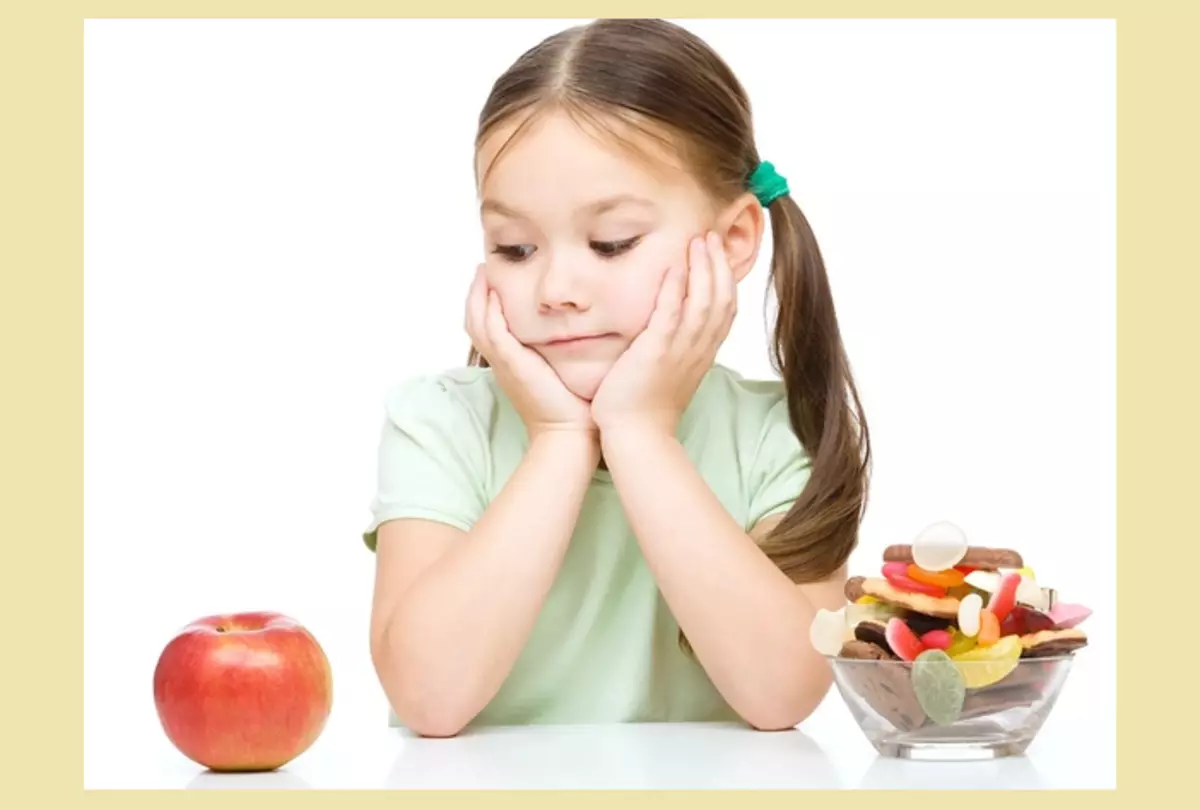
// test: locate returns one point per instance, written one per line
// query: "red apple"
(243, 692)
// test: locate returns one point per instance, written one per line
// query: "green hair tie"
(767, 184)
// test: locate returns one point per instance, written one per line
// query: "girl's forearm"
(745, 620)
(455, 634)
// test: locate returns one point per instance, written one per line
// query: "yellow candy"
(959, 643)
(865, 599)
(984, 666)
(1027, 572)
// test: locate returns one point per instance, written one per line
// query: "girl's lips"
(577, 341)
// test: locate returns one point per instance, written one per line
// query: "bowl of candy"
(954, 652)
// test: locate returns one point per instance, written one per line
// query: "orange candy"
(989, 628)
(950, 578)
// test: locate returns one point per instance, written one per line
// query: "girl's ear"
(741, 227)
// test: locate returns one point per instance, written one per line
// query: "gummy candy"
(936, 639)
(897, 574)
(939, 546)
(984, 666)
(902, 640)
(950, 578)
(1004, 598)
(866, 599)
(959, 644)
(827, 632)
(1028, 591)
(1023, 620)
(989, 628)
(1066, 615)
(968, 614)
(939, 686)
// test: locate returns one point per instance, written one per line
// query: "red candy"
(1022, 621)
(902, 639)
(896, 573)
(963, 569)
(936, 640)
(1005, 597)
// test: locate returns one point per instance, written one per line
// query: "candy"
(969, 608)
(865, 599)
(939, 686)
(1004, 598)
(1065, 615)
(896, 573)
(827, 632)
(936, 639)
(989, 628)
(950, 578)
(960, 644)
(1029, 593)
(902, 640)
(939, 546)
(984, 666)
(1023, 620)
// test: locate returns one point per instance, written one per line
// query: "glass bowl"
(1003, 706)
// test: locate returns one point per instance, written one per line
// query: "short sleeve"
(780, 468)
(431, 459)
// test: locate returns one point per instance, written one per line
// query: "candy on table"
(989, 628)
(903, 640)
(896, 573)
(984, 666)
(936, 639)
(949, 578)
(827, 632)
(1004, 598)
(939, 546)
(969, 608)
(1065, 616)
(939, 686)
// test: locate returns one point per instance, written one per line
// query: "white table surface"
(1076, 749)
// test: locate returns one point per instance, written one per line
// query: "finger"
(724, 301)
(496, 329)
(668, 306)
(697, 307)
(476, 313)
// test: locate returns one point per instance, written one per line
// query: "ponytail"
(819, 532)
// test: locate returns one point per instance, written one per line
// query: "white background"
(280, 224)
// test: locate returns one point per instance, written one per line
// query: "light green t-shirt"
(605, 647)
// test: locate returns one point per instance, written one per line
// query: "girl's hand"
(540, 397)
(651, 384)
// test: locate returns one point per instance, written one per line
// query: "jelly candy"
(1029, 593)
(969, 608)
(827, 632)
(1065, 615)
(939, 546)
(950, 578)
(936, 639)
(1004, 598)
(1023, 620)
(902, 640)
(959, 644)
(989, 628)
(984, 666)
(897, 574)
(939, 686)
(866, 599)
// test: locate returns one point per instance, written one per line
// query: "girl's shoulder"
(745, 403)
(464, 400)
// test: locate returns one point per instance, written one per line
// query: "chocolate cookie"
(853, 589)
(921, 623)
(887, 689)
(988, 559)
(863, 650)
(1048, 643)
(874, 633)
(881, 589)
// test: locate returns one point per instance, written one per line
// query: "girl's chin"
(583, 378)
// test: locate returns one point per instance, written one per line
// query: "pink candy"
(1066, 615)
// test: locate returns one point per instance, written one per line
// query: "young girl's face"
(579, 234)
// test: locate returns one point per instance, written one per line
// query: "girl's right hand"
(539, 396)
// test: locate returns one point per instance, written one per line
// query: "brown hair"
(661, 81)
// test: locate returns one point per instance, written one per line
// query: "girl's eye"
(514, 253)
(611, 249)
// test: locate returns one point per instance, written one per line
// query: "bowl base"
(964, 742)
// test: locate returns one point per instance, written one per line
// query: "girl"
(592, 522)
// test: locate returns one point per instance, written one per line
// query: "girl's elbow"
(429, 721)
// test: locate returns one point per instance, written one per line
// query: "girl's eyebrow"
(593, 208)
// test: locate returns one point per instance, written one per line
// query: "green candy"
(939, 686)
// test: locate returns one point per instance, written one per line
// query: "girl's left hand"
(653, 381)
